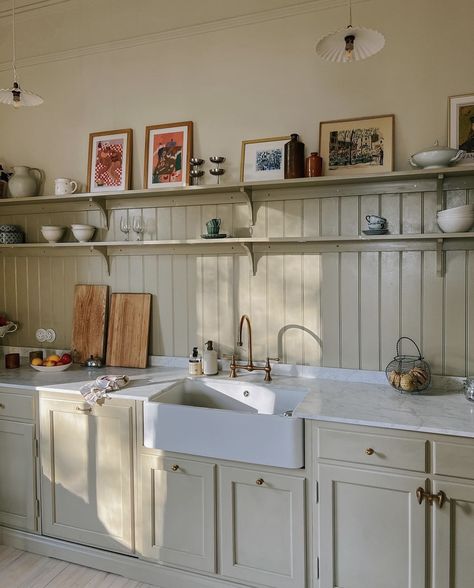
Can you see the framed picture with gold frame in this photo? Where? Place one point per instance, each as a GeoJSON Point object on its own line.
{"type": "Point", "coordinates": [168, 149]}
{"type": "Point", "coordinates": [110, 160]}
{"type": "Point", "coordinates": [263, 159]}
{"type": "Point", "coordinates": [461, 125]}
{"type": "Point", "coordinates": [357, 146]}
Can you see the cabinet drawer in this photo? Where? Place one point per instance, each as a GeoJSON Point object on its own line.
{"type": "Point", "coordinates": [373, 449]}
{"type": "Point", "coordinates": [453, 458]}
{"type": "Point", "coordinates": [16, 405]}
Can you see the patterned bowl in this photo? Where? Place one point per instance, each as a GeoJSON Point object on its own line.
{"type": "Point", "coordinates": [12, 238]}
{"type": "Point", "coordinates": [9, 229]}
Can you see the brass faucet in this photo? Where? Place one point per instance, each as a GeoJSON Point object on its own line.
{"type": "Point", "coordinates": [249, 366]}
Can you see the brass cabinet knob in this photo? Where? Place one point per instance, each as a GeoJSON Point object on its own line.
{"type": "Point", "coordinates": [259, 482]}
{"type": "Point", "coordinates": [369, 451]}
{"type": "Point", "coordinates": [2, 406]}
{"type": "Point", "coordinates": [175, 467]}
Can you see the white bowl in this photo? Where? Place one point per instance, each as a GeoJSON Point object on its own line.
{"type": "Point", "coordinates": [52, 233]}
{"type": "Point", "coordinates": [455, 225]}
{"type": "Point", "coordinates": [456, 215]}
{"type": "Point", "coordinates": [467, 208]}
{"type": "Point", "coordinates": [83, 233]}
{"type": "Point", "coordinates": [52, 369]}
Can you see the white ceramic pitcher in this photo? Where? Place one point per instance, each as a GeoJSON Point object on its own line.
{"type": "Point", "coordinates": [23, 183]}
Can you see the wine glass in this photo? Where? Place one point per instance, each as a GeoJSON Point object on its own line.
{"type": "Point", "coordinates": [125, 226]}
{"type": "Point", "coordinates": [138, 226]}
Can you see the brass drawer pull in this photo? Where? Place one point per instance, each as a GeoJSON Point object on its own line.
{"type": "Point", "coordinates": [259, 482]}
{"type": "Point", "coordinates": [369, 451]}
{"type": "Point", "coordinates": [421, 494]}
{"type": "Point", "coordinates": [88, 409]}
{"type": "Point", "coordinates": [2, 406]}
{"type": "Point", "coordinates": [175, 467]}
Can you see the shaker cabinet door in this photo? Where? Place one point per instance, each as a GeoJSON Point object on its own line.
{"type": "Point", "coordinates": [86, 472]}
{"type": "Point", "coordinates": [372, 529]}
{"type": "Point", "coordinates": [17, 476]}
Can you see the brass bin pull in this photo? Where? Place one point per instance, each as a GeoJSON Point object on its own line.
{"type": "Point", "coordinates": [259, 482]}
{"type": "Point", "coordinates": [370, 451]}
{"type": "Point", "coordinates": [87, 409]}
{"type": "Point", "coordinates": [440, 497]}
{"type": "Point", "coordinates": [175, 467]}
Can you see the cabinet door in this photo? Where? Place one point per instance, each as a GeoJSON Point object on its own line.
{"type": "Point", "coordinates": [86, 461]}
{"type": "Point", "coordinates": [17, 476]}
{"type": "Point", "coordinates": [372, 529]}
{"type": "Point", "coordinates": [262, 523]}
{"type": "Point", "coordinates": [177, 505]}
{"type": "Point", "coordinates": [453, 535]}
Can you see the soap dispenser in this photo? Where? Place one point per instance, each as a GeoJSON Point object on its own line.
{"type": "Point", "coordinates": [195, 363]}
{"type": "Point", "coordinates": [210, 360]}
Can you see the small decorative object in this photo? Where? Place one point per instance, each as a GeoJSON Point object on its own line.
{"type": "Point", "coordinates": [93, 362]}
{"type": "Point", "coordinates": [83, 233]}
{"type": "Point", "coordinates": [63, 186]}
{"type": "Point", "coordinates": [357, 146]}
{"type": "Point", "coordinates": [263, 159]}
{"type": "Point", "coordinates": [376, 225]}
{"type": "Point", "coordinates": [461, 125]}
{"type": "Point", "coordinates": [125, 226]}
{"type": "Point", "coordinates": [168, 150]}
{"type": "Point", "coordinates": [12, 361]}
{"type": "Point", "coordinates": [469, 388]}
{"type": "Point", "coordinates": [138, 227]}
{"type": "Point", "coordinates": [408, 373]}
{"type": "Point", "coordinates": [7, 327]}
{"type": "Point", "coordinates": [110, 159]}
{"type": "Point", "coordinates": [23, 182]}
{"type": "Point", "coordinates": [313, 165]}
{"type": "Point", "coordinates": [196, 172]}
{"type": "Point", "coordinates": [436, 156]}
{"type": "Point", "coordinates": [350, 44]}
{"type": "Point", "coordinates": [213, 226]}
{"type": "Point", "coordinates": [52, 233]}
{"type": "Point", "coordinates": [15, 95]}
{"type": "Point", "coordinates": [294, 158]}
{"type": "Point", "coordinates": [217, 171]}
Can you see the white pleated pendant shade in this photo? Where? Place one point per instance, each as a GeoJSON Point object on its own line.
{"type": "Point", "coordinates": [18, 97]}
{"type": "Point", "coordinates": [367, 42]}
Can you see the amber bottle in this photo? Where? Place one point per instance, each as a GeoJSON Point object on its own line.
{"type": "Point", "coordinates": [294, 158]}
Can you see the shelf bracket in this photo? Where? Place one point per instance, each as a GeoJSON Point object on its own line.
{"type": "Point", "coordinates": [251, 255]}
{"type": "Point", "coordinates": [247, 192]}
{"type": "Point", "coordinates": [439, 192]}
{"type": "Point", "coordinates": [440, 257]}
{"type": "Point", "coordinates": [102, 206]}
{"type": "Point", "coordinates": [102, 251]}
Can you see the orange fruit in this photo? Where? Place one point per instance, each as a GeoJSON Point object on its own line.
{"type": "Point", "coordinates": [49, 363]}
{"type": "Point", "coordinates": [53, 357]}
{"type": "Point", "coordinates": [37, 361]}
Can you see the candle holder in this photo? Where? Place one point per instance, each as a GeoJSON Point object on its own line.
{"type": "Point", "coordinates": [217, 171]}
{"type": "Point", "coordinates": [195, 172]}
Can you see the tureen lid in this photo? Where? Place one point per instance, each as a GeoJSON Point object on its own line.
{"type": "Point", "coordinates": [438, 147]}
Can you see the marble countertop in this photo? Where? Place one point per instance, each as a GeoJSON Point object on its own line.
{"type": "Point", "coordinates": [443, 409]}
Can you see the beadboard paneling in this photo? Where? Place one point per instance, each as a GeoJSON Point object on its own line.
{"type": "Point", "coordinates": [339, 309]}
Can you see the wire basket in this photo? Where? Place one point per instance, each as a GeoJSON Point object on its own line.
{"type": "Point", "coordinates": [408, 373]}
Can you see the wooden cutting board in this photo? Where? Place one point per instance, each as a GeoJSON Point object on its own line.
{"type": "Point", "coordinates": [89, 321]}
{"type": "Point", "coordinates": [129, 321]}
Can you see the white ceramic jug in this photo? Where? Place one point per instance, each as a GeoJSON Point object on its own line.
{"type": "Point", "coordinates": [23, 183]}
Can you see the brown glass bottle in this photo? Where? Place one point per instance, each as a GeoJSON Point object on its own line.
{"type": "Point", "coordinates": [314, 165]}
{"type": "Point", "coordinates": [294, 158]}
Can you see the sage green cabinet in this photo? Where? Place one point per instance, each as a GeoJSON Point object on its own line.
{"type": "Point", "coordinates": [177, 512]}
{"type": "Point", "coordinates": [18, 503]}
{"type": "Point", "coordinates": [87, 472]}
{"type": "Point", "coordinates": [262, 527]}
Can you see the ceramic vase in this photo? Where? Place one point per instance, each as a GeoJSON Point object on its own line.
{"type": "Point", "coordinates": [23, 182]}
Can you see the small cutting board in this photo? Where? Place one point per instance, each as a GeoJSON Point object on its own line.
{"type": "Point", "coordinates": [89, 321]}
{"type": "Point", "coordinates": [129, 321]}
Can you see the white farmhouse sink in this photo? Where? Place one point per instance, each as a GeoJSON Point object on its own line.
{"type": "Point", "coordinates": [227, 420]}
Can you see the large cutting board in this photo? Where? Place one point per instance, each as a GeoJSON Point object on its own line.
{"type": "Point", "coordinates": [129, 321]}
{"type": "Point", "coordinates": [89, 321]}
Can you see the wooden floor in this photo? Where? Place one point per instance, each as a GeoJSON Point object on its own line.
{"type": "Point", "coordinates": [19, 569]}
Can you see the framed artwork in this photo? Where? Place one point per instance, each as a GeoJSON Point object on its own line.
{"type": "Point", "coordinates": [461, 125]}
{"type": "Point", "coordinates": [357, 146]}
{"type": "Point", "coordinates": [110, 160]}
{"type": "Point", "coordinates": [167, 152]}
{"type": "Point", "coordinates": [263, 159]}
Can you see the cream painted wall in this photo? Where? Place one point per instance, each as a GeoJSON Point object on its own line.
{"type": "Point", "coordinates": [244, 78]}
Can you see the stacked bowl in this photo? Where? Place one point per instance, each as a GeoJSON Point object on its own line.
{"type": "Point", "coordinates": [456, 220]}
{"type": "Point", "coordinates": [11, 235]}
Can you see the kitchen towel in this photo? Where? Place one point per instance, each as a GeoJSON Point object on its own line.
{"type": "Point", "coordinates": [99, 389]}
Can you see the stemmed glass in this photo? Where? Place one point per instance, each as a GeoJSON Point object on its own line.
{"type": "Point", "coordinates": [138, 226]}
{"type": "Point", "coordinates": [125, 226]}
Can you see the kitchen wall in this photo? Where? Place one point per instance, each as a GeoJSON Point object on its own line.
{"type": "Point", "coordinates": [240, 72]}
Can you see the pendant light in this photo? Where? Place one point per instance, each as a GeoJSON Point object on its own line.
{"type": "Point", "coordinates": [15, 95]}
{"type": "Point", "coordinates": [350, 44]}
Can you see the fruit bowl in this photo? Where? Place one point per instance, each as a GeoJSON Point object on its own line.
{"type": "Point", "coordinates": [51, 369]}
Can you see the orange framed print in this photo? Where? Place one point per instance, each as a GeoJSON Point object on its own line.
{"type": "Point", "coordinates": [461, 126]}
{"type": "Point", "coordinates": [357, 146]}
{"type": "Point", "coordinates": [110, 160]}
{"type": "Point", "coordinates": [168, 150]}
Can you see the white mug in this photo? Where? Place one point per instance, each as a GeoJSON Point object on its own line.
{"type": "Point", "coordinates": [63, 186]}
{"type": "Point", "coordinates": [8, 328]}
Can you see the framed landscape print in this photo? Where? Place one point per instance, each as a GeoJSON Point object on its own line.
{"type": "Point", "coordinates": [461, 125]}
{"type": "Point", "coordinates": [109, 162]}
{"type": "Point", "coordinates": [263, 159]}
{"type": "Point", "coordinates": [357, 146]}
{"type": "Point", "coordinates": [167, 153]}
